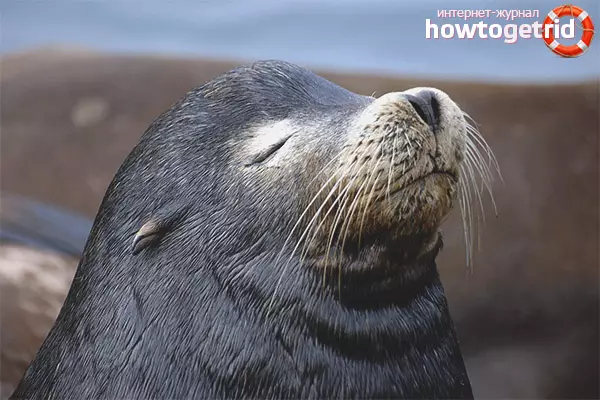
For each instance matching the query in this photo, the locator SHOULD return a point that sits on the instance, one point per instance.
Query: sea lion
(272, 235)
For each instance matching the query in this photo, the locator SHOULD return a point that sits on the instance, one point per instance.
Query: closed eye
(266, 140)
(268, 151)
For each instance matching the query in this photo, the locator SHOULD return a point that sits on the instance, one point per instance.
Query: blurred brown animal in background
(527, 314)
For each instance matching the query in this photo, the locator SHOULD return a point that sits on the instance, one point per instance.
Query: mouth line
(452, 174)
(430, 174)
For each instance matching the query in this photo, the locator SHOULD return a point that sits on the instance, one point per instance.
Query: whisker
(323, 219)
(408, 143)
(420, 135)
(478, 212)
(463, 212)
(484, 172)
(341, 210)
(353, 208)
(470, 164)
(476, 144)
(344, 197)
(475, 164)
(373, 170)
(467, 220)
(474, 132)
(389, 182)
(323, 169)
(331, 192)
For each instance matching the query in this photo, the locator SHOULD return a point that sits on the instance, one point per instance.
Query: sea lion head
(271, 164)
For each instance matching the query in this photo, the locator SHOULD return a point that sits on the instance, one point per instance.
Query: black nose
(427, 106)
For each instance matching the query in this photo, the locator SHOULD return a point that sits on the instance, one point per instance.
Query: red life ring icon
(568, 10)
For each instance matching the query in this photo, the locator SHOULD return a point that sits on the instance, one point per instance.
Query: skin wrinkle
(234, 299)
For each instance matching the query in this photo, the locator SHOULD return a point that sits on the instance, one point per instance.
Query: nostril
(427, 106)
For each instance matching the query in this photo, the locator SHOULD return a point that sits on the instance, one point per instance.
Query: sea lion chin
(272, 235)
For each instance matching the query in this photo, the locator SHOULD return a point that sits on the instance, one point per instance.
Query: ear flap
(159, 224)
(149, 234)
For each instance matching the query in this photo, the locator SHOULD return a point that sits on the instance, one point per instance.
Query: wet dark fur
(190, 317)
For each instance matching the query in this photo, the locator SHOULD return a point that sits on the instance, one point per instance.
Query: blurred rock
(33, 286)
(40, 246)
(527, 314)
